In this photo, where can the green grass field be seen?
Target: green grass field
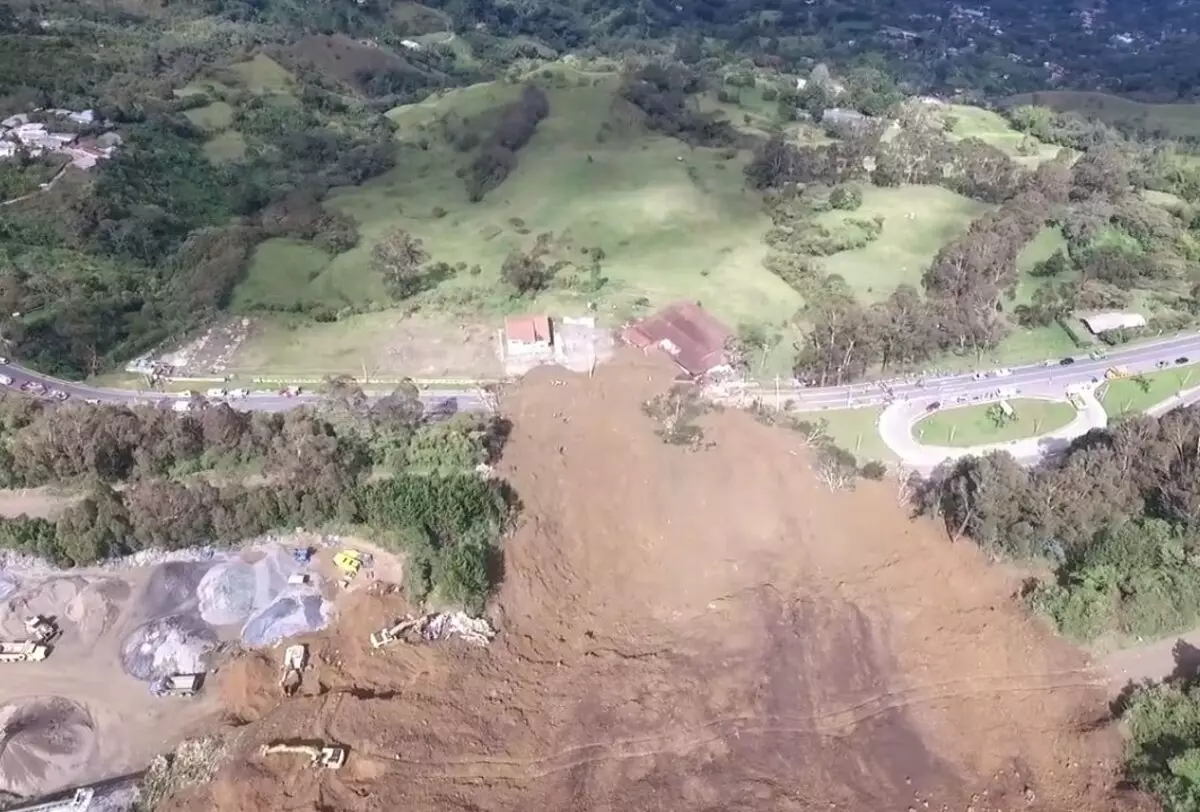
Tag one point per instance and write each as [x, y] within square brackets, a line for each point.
[673, 222]
[973, 425]
[212, 117]
[906, 246]
[855, 430]
[1177, 120]
[1132, 395]
[992, 128]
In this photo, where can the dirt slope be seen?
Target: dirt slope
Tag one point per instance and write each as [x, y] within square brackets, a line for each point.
[703, 630]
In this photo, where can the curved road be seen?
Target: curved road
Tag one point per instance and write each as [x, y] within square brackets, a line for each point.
[897, 422]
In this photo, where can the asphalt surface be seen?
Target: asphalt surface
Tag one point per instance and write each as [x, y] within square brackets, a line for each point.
[1049, 378]
[443, 400]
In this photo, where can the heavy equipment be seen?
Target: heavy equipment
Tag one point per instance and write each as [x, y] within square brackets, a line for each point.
[294, 659]
[176, 685]
[25, 651]
[41, 628]
[390, 635]
[331, 756]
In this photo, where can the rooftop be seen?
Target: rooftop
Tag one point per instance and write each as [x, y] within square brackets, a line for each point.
[1103, 322]
[530, 329]
[691, 335]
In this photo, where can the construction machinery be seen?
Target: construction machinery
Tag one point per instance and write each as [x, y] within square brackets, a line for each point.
[26, 651]
[331, 756]
[1116, 373]
[350, 562]
[41, 629]
[294, 659]
[385, 637]
[176, 685]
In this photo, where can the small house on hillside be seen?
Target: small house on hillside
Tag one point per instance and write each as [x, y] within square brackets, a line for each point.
[527, 335]
[693, 338]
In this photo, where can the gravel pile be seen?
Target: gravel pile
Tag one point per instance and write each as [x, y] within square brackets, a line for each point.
[177, 644]
[45, 744]
[289, 616]
[233, 591]
[7, 587]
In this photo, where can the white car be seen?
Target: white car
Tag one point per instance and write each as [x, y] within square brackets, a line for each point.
[5, 380]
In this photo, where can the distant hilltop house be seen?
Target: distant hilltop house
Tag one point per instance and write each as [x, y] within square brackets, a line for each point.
[19, 133]
[1103, 322]
[693, 338]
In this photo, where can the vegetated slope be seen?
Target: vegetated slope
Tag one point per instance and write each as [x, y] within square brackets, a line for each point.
[691, 630]
[1175, 120]
[671, 220]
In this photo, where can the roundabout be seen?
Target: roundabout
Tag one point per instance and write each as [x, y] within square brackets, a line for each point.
[899, 427]
[994, 422]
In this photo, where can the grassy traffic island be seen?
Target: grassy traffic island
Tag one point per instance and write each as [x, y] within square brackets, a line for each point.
[1139, 393]
[989, 423]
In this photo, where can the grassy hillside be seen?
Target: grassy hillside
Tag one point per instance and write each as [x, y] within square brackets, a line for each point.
[1177, 120]
[992, 128]
[917, 221]
[672, 221]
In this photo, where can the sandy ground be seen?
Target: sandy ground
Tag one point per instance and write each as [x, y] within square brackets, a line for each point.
[78, 717]
[42, 503]
[701, 630]
[86, 712]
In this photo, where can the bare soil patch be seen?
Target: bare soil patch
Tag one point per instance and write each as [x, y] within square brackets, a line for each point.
[40, 503]
[702, 630]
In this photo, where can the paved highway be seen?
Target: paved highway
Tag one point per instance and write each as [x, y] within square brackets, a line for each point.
[448, 400]
[1047, 378]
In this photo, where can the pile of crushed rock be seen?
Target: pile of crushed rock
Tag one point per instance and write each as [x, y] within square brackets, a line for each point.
[260, 599]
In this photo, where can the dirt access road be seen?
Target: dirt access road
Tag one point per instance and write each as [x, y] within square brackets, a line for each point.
[701, 630]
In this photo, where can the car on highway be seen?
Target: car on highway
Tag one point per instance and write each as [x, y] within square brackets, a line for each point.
[3, 360]
[33, 387]
[1183, 359]
[59, 394]
[1162, 364]
[1066, 362]
[933, 407]
[5, 380]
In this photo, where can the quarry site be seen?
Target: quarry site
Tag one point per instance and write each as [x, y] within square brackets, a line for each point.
[677, 628]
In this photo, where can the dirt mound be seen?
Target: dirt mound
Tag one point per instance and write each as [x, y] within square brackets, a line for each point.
[694, 630]
[85, 608]
[44, 743]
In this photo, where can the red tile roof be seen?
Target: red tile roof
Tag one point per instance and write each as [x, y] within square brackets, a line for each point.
[691, 335]
[527, 329]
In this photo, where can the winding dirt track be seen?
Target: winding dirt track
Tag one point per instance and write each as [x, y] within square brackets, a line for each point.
[700, 630]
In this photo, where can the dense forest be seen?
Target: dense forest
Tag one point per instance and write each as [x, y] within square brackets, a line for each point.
[154, 478]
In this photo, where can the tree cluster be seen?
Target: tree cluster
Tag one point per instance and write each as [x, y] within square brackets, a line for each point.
[498, 155]
[665, 93]
[1118, 512]
[385, 465]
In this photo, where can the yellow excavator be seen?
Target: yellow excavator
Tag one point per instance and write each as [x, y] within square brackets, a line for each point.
[329, 756]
